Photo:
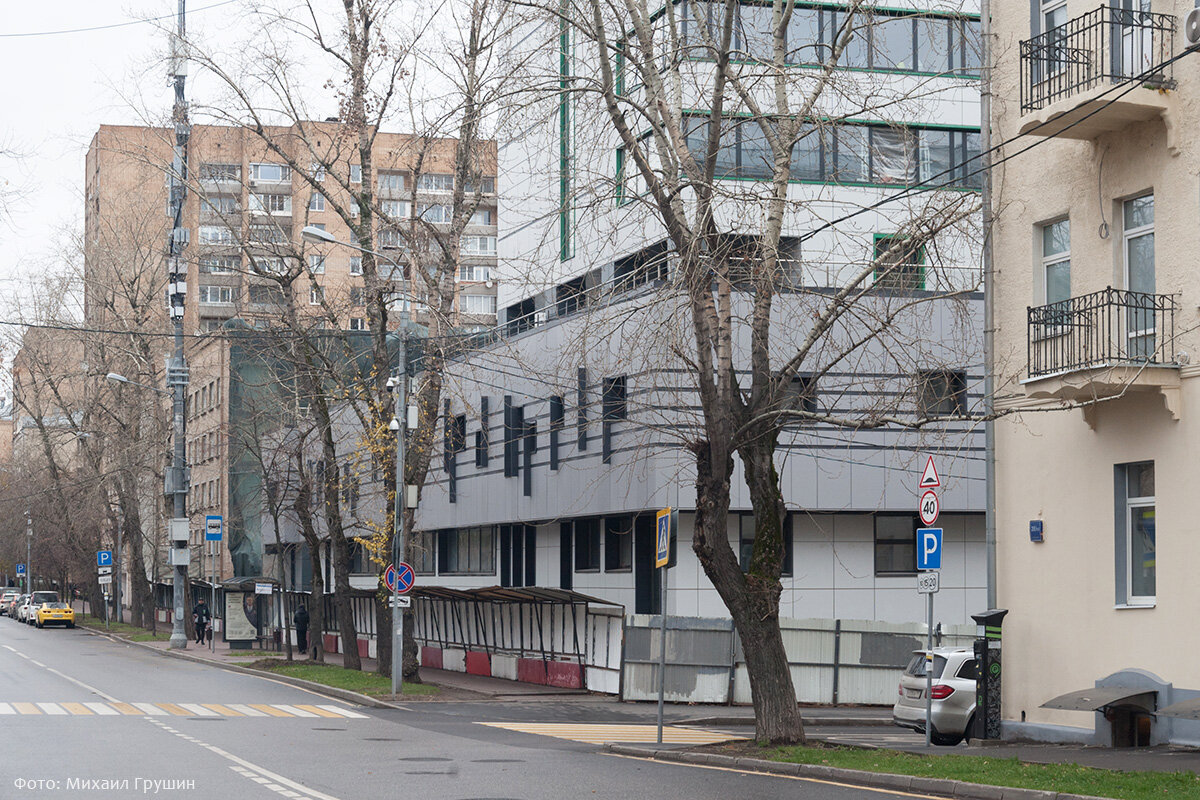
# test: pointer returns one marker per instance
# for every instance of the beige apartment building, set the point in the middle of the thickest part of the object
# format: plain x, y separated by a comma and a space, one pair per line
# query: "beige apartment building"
1097, 364
244, 213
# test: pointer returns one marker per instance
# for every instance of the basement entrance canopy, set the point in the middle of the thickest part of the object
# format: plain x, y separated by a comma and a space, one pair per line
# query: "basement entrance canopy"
1102, 697
1184, 709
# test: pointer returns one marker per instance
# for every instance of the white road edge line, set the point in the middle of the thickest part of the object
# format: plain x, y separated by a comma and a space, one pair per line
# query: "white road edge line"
302, 789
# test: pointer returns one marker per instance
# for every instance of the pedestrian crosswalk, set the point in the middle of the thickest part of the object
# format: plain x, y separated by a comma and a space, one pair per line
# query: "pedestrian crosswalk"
604, 733
113, 708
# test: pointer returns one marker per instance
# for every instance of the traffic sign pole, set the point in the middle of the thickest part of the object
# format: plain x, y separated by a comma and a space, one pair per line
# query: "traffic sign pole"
929, 560
929, 672
662, 528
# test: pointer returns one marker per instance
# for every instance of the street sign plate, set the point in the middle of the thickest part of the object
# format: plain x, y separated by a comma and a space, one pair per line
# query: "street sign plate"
214, 526
103, 579
928, 582
20, 569
399, 578
402, 601
104, 570
929, 548
662, 539
104, 558
262, 588
929, 477
929, 507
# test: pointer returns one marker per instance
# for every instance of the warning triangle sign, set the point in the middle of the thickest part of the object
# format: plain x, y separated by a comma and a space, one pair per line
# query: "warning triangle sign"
929, 478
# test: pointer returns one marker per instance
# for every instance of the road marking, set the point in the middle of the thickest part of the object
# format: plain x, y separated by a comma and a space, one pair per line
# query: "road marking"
199, 710
126, 709
320, 712
274, 712
604, 733
102, 709
5, 708
36, 662
294, 711
26, 708
77, 709
52, 708
151, 709
224, 711
345, 712
171, 708
246, 710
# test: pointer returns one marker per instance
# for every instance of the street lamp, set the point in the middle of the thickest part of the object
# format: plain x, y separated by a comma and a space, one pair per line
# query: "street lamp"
115, 378
311, 233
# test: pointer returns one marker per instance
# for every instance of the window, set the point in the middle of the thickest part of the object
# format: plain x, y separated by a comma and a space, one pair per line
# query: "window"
219, 172
318, 172
217, 294
395, 209
269, 266
316, 202
220, 203
1138, 215
433, 182
391, 181
486, 186
483, 216
424, 545
356, 173
316, 295
467, 551
801, 395
277, 173
271, 203
895, 544
266, 294
358, 324
1136, 534
1056, 261
899, 264
356, 265
390, 237
474, 272
316, 265
746, 536
893, 155
618, 543
267, 234
614, 398
435, 212
478, 304
215, 234
219, 265
892, 42
356, 295
478, 245
941, 393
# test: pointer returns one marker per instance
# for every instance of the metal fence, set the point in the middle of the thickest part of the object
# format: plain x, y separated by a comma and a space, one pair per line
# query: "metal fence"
1108, 45
832, 661
1107, 327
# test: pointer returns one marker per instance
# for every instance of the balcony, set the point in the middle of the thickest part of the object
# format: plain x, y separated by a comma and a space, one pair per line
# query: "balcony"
1067, 73
1103, 345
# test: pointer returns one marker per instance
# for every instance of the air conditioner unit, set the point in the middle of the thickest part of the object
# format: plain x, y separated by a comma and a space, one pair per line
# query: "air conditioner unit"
1191, 28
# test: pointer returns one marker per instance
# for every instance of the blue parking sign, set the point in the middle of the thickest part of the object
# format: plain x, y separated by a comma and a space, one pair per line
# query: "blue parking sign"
104, 558
20, 569
929, 548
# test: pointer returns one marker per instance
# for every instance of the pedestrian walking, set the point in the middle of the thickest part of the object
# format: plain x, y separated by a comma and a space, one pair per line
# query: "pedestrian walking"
201, 617
301, 621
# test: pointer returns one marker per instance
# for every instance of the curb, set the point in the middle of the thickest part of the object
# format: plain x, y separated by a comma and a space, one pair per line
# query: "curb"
332, 691
874, 780
813, 721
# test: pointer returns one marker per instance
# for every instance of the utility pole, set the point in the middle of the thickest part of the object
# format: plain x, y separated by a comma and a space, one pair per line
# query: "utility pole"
989, 316
28, 552
177, 371
401, 501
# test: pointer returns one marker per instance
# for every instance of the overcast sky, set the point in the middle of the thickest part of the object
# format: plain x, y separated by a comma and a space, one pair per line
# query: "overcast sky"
58, 89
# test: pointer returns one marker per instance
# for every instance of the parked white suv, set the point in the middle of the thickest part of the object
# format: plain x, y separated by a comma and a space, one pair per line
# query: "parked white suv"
953, 693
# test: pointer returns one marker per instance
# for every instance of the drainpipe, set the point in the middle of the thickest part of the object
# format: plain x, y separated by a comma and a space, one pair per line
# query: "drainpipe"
989, 290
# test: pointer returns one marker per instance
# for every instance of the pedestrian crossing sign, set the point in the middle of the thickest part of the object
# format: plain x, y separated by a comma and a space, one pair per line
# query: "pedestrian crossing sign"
662, 537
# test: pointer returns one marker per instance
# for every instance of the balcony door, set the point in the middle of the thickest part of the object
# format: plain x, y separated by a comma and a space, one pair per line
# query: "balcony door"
1136, 37
1139, 277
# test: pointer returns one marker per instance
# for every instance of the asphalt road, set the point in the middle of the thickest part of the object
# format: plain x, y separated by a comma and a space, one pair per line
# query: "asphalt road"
86, 717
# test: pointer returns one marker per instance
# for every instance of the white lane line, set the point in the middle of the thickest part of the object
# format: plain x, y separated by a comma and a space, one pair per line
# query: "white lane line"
35, 661
293, 710
5, 708
199, 710
103, 709
6, 647
52, 708
345, 712
150, 709
247, 710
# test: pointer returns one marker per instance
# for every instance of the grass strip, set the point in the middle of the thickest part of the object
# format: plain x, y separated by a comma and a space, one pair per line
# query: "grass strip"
1008, 772
134, 633
368, 683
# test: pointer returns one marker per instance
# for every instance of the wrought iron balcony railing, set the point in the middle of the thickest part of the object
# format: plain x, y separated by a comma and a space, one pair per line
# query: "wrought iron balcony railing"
1108, 45
1104, 328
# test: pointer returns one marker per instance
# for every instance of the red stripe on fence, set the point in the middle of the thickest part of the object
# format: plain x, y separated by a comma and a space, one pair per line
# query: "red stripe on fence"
431, 657
479, 664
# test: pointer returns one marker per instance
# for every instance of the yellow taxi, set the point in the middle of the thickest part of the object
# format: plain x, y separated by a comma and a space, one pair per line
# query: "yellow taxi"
55, 614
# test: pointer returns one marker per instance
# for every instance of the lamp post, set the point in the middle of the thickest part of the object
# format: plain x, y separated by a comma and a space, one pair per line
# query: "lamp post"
28, 553
398, 425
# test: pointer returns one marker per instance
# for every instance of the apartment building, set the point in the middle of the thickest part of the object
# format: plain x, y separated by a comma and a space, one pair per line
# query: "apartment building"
567, 433
1095, 303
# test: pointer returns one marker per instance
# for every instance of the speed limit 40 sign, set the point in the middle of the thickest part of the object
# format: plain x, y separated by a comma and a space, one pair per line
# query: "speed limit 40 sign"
929, 507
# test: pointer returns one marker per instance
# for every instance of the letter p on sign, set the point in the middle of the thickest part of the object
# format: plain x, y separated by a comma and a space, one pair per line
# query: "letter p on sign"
929, 548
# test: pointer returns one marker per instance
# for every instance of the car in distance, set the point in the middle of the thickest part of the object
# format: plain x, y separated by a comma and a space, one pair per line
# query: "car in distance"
952, 710
54, 614
24, 606
14, 604
6, 597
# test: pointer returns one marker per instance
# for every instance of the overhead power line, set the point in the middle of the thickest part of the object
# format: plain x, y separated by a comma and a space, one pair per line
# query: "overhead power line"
109, 26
